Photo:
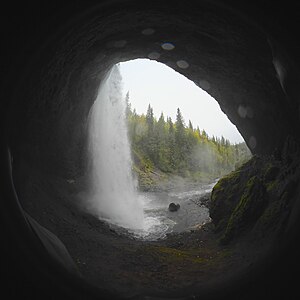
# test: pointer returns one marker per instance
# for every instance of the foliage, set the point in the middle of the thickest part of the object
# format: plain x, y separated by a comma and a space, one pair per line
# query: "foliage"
175, 148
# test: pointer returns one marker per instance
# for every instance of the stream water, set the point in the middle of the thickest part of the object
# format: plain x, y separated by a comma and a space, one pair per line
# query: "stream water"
159, 221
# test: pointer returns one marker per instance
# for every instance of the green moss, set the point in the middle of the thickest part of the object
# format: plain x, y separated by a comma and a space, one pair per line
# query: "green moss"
271, 186
221, 185
230, 178
224, 197
233, 176
236, 218
270, 172
270, 215
247, 210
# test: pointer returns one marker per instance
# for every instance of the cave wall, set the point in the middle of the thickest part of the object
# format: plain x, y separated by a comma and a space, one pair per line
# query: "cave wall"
49, 82
228, 56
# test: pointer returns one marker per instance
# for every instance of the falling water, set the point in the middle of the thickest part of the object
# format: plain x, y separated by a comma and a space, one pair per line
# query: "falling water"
113, 190
113, 194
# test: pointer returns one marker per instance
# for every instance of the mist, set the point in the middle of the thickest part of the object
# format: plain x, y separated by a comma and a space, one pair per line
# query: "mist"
112, 189
207, 160
138, 165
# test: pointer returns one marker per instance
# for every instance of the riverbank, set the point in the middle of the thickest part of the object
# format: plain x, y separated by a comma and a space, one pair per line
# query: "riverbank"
203, 259
178, 265
154, 180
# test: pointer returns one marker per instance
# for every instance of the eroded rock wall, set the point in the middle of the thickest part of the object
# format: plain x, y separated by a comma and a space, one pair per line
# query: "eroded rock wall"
258, 198
227, 56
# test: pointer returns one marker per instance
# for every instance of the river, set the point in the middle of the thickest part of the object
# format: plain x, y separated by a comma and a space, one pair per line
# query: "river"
159, 221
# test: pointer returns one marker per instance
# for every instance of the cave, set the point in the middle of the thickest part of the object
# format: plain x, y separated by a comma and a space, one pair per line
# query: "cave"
243, 54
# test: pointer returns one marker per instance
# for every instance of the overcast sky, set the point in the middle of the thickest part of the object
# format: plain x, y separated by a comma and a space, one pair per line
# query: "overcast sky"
152, 82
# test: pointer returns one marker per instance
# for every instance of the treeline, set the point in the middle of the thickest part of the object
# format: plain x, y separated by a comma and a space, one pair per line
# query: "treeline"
178, 148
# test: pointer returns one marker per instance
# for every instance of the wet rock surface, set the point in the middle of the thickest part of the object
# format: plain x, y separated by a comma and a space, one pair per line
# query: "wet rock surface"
179, 264
173, 206
110, 259
253, 197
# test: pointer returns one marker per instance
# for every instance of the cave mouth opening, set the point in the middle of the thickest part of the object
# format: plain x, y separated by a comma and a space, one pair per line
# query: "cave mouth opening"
51, 147
152, 173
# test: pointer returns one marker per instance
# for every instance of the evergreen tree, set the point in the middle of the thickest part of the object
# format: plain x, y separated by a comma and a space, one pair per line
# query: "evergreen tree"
223, 141
204, 134
180, 139
198, 132
161, 124
179, 149
191, 125
171, 126
171, 145
151, 143
150, 119
179, 119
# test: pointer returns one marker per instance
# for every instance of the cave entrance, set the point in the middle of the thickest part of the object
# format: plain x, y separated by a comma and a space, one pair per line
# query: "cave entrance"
216, 48
158, 144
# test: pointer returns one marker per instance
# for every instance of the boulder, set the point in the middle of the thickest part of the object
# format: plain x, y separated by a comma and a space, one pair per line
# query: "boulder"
173, 206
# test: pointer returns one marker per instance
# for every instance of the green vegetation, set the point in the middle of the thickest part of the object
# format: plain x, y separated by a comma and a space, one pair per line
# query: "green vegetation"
163, 147
224, 196
249, 208
253, 200
232, 177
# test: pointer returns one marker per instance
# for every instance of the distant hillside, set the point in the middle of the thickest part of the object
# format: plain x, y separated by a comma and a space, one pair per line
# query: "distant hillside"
161, 149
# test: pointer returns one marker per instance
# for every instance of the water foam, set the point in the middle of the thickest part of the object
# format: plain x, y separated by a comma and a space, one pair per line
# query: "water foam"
113, 190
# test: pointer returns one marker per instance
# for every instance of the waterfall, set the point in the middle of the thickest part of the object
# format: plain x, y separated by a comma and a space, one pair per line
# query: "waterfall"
113, 190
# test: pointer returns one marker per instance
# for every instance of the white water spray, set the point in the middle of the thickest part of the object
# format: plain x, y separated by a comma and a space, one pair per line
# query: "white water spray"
113, 194
113, 191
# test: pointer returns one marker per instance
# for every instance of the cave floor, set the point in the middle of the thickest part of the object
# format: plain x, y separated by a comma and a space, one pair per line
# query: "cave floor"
179, 264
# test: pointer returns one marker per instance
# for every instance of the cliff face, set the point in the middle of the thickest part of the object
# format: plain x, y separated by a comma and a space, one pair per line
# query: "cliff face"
257, 199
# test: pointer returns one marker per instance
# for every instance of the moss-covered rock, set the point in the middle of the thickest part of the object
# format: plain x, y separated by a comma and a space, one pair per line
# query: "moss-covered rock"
271, 172
248, 210
269, 218
280, 193
256, 199
271, 186
227, 193
223, 198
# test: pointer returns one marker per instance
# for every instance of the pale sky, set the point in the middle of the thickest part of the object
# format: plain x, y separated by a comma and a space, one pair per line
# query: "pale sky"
149, 81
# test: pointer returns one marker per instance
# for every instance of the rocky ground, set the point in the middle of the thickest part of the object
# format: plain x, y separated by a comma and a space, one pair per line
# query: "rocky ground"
248, 207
